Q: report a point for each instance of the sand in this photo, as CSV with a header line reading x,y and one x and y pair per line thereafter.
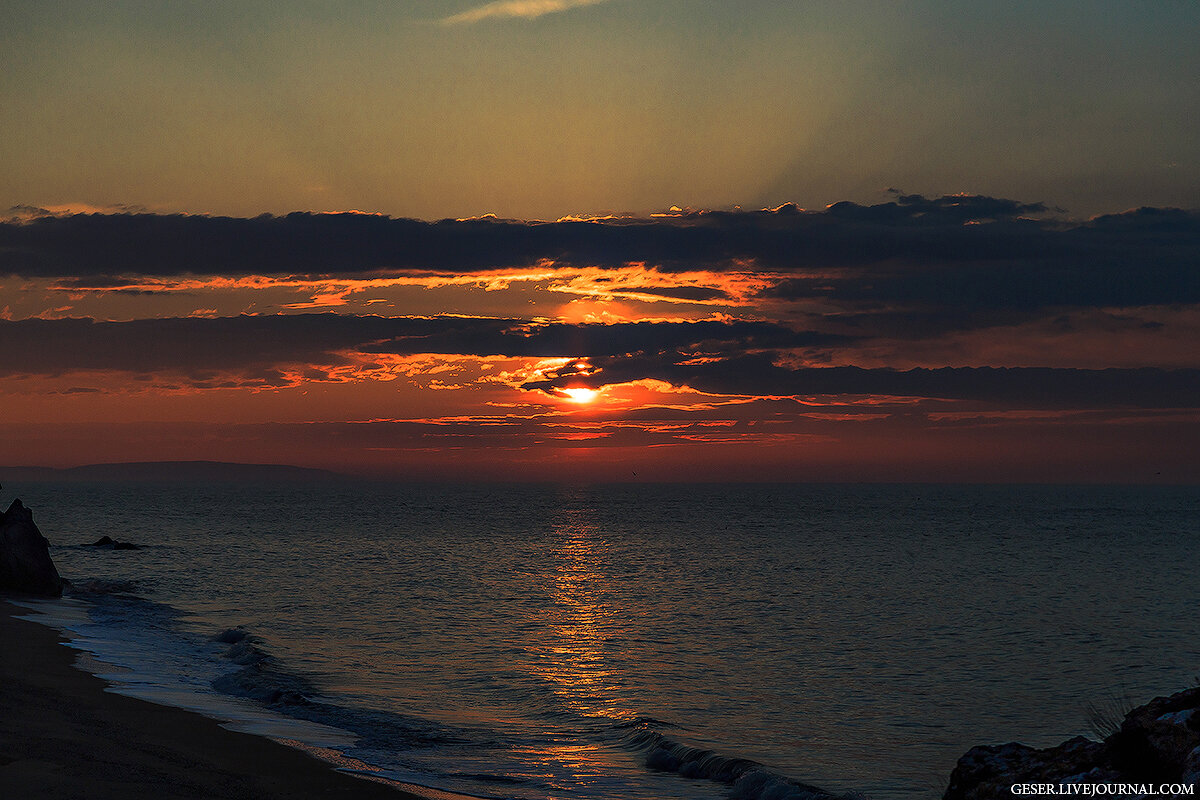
x,y
63,736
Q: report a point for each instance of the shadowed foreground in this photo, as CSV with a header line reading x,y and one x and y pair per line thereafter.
x,y
62,736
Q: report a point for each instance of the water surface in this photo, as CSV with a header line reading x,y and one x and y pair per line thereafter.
x,y
540,641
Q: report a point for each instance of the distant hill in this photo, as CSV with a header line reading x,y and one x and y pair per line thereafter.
x,y
208,472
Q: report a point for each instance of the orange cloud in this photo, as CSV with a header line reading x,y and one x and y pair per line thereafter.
x,y
509,9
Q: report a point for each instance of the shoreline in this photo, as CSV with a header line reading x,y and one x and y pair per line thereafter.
x,y
64,736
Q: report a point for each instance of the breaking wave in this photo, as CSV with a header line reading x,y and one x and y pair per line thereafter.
x,y
748,779
262,678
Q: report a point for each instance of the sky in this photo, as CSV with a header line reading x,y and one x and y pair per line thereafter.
x,y
604,239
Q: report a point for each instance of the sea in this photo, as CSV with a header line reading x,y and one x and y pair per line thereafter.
x,y
641,642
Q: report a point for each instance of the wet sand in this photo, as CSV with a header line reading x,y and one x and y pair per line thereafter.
x,y
63,736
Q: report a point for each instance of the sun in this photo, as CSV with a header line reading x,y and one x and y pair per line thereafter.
x,y
580,394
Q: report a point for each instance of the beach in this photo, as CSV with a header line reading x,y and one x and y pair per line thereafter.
x,y
64,736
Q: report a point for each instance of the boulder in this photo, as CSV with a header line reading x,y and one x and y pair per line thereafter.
x,y
25,564
988,772
1160,740
1157,743
113,544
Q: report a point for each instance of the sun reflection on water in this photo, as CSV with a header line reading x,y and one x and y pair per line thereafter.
x,y
581,622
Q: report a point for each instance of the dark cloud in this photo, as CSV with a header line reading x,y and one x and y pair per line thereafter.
x,y
911,268
1022,387
914,209
208,349
972,252
190,346
921,324
722,358
484,337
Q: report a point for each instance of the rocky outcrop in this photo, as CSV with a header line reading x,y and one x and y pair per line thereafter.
x,y
1157,743
25,564
1160,741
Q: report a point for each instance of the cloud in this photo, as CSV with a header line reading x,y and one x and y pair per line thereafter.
x,y
549,340
950,263
731,359
908,237
24,213
203,347
844,235
759,374
516,9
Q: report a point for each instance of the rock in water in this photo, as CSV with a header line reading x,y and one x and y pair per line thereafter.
x,y
113,544
25,564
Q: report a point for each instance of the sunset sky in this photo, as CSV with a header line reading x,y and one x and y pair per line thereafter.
x,y
604,239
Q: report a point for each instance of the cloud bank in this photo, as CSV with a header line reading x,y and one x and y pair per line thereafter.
x,y
965,254
733,359
944,330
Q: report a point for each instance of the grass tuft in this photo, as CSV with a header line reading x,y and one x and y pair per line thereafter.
x,y
1104,718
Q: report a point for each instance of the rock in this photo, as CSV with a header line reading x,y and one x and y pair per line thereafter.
x,y
990,771
230,636
25,564
1156,743
1157,740
113,544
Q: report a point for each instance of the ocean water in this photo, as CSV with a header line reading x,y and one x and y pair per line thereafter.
x,y
637,642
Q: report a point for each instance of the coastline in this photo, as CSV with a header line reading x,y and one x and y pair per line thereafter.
x,y
63,736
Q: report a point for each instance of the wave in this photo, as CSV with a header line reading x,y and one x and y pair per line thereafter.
x,y
749,780
98,586
263,679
